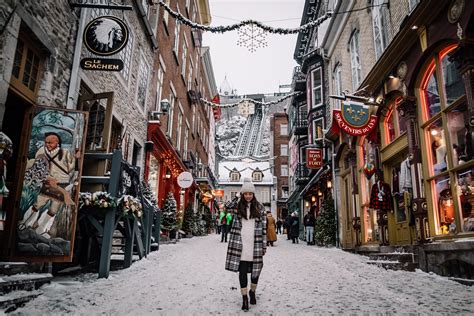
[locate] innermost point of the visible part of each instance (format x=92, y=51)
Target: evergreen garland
x=168, y=217
x=325, y=229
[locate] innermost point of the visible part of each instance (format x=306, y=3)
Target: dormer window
x=257, y=175
x=234, y=175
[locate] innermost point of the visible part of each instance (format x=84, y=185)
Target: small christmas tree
x=198, y=227
x=208, y=222
x=325, y=229
x=188, y=219
x=168, y=217
x=149, y=194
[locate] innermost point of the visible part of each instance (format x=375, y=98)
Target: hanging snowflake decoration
x=252, y=37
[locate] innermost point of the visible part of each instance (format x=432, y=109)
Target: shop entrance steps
x=18, y=289
x=394, y=260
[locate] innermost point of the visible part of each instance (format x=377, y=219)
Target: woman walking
x=247, y=242
x=271, y=229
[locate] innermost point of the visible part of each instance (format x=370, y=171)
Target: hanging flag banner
x=354, y=118
x=314, y=158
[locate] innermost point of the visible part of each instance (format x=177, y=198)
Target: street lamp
x=164, y=106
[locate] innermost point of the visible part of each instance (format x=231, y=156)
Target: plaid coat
x=387, y=201
x=234, y=249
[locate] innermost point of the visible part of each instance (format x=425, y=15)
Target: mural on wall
x=49, y=195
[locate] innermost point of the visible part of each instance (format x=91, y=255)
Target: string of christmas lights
x=221, y=29
x=229, y=105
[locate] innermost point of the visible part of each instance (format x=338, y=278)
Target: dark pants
x=244, y=268
x=295, y=239
x=218, y=231
x=279, y=230
x=225, y=230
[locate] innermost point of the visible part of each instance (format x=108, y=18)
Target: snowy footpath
x=188, y=278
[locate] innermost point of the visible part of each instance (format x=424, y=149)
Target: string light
x=251, y=101
x=221, y=29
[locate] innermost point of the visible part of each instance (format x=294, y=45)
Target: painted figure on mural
x=55, y=193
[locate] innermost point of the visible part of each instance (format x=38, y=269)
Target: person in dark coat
x=294, y=227
x=248, y=242
x=279, y=224
x=309, y=223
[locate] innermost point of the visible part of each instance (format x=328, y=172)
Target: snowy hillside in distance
x=228, y=131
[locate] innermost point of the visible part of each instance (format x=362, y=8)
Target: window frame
x=356, y=67
x=315, y=88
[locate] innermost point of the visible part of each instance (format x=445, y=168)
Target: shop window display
x=448, y=141
x=437, y=149
x=465, y=182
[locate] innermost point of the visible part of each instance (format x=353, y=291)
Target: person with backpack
x=309, y=223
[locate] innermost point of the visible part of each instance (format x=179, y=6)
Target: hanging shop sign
x=101, y=64
x=185, y=180
x=106, y=35
x=354, y=118
x=314, y=158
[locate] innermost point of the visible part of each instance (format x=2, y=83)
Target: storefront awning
x=325, y=169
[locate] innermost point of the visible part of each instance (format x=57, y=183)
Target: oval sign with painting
x=106, y=35
x=185, y=180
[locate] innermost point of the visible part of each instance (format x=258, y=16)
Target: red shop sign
x=314, y=158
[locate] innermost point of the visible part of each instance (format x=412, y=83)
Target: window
x=412, y=4
x=283, y=150
x=159, y=85
x=257, y=176
x=394, y=124
x=284, y=170
x=380, y=27
x=142, y=88
x=26, y=68
x=283, y=129
x=183, y=57
x=284, y=193
x=194, y=119
x=173, y=100
x=126, y=56
x=447, y=153
x=179, y=128
x=165, y=13
x=136, y=154
x=186, y=138
x=95, y=126
x=355, y=61
x=190, y=76
x=337, y=84
x=233, y=195
x=317, y=131
x=316, y=87
x=176, y=38
x=234, y=176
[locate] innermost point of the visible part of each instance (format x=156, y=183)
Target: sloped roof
x=246, y=168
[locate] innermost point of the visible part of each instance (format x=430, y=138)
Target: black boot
x=253, y=299
x=245, y=303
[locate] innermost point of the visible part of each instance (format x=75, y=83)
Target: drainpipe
x=334, y=193
x=72, y=93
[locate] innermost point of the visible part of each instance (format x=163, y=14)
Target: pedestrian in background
x=248, y=242
x=309, y=222
x=279, y=224
x=223, y=221
x=271, y=229
x=294, y=227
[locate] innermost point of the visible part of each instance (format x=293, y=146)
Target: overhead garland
x=247, y=101
x=253, y=33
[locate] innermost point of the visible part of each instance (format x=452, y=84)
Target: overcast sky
x=267, y=68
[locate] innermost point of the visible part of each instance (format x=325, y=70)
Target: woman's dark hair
x=242, y=208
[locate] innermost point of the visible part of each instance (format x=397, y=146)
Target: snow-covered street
x=188, y=278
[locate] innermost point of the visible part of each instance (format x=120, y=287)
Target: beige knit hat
x=247, y=186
